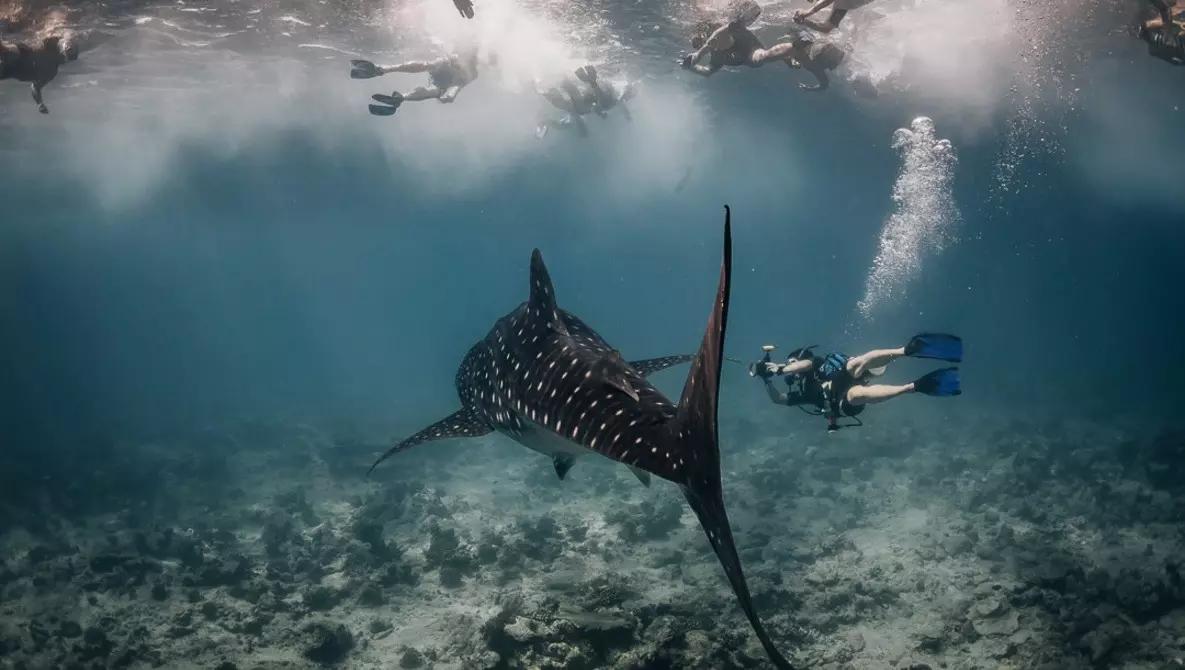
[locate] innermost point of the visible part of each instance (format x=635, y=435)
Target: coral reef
x=1006, y=544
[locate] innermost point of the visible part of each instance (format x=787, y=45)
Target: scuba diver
x=837, y=385
x=732, y=44
x=37, y=64
x=840, y=9
x=596, y=98
x=446, y=76
x=1165, y=34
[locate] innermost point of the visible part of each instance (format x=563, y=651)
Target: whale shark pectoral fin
x=649, y=366
x=563, y=463
x=542, y=301
x=461, y=423
x=614, y=371
x=641, y=474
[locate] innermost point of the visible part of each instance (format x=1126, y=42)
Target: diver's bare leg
x=877, y=393
x=450, y=93
x=858, y=365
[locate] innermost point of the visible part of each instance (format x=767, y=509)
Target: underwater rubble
x=1010, y=545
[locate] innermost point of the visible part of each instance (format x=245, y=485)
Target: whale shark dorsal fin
x=641, y=474
x=542, y=302
x=562, y=463
x=614, y=371
x=461, y=423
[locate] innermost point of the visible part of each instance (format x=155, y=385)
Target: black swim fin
x=390, y=103
x=940, y=346
x=363, y=69
x=941, y=383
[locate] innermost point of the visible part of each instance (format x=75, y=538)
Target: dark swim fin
x=363, y=69
x=942, y=383
x=939, y=346
x=381, y=110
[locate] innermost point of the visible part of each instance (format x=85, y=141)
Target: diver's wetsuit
x=833, y=369
x=824, y=387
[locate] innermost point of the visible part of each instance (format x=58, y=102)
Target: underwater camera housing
x=757, y=368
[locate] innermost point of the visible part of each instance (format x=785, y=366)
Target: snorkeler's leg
x=781, y=51
x=450, y=93
x=858, y=365
x=876, y=393
x=430, y=92
x=36, y=89
x=413, y=66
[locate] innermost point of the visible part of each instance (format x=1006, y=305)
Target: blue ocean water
x=203, y=231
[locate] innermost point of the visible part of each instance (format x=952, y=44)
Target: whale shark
x=482, y=414
x=545, y=378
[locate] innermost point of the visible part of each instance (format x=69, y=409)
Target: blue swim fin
x=942, y=383
x=936, y=345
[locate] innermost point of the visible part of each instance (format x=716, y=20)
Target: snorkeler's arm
x=824, y=4
x=1166, y=12
x=824, y=81
x=705, y=70
x=711, y=44
x=450, y=93
x=36, y=89
x=625, y=110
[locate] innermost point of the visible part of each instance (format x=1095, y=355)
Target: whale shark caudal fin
x=461, y=423
x=694, y=432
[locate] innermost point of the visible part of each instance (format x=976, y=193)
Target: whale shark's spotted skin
x=545, y=378
x=486, y=399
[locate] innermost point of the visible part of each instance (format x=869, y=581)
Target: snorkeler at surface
x=596, y=97
x=837, y=385
x=37, y=63
x=820, y=56
x=840, y=9
x=465, y=7
x=733, y=44
x=447, y=76
x=1165, y=34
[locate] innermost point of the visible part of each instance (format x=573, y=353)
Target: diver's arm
x=625, y=111
x=704, y=70
x=776, y=396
